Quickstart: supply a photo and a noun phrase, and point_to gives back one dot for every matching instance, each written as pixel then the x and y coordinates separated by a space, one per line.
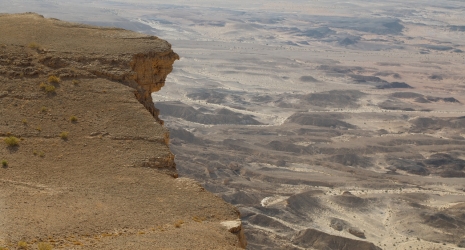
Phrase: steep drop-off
pixel 91 168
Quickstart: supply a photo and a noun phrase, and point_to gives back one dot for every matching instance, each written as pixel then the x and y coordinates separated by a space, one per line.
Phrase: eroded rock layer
pixel 87 169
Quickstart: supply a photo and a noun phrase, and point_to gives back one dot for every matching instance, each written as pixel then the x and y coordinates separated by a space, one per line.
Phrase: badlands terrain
pixel 329 125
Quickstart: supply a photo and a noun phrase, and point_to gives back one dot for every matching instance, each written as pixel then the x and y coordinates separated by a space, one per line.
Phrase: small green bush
pixel 47 87
pixel 73 118
pixel 43 109
pixel 33 45
pixel 64 135
pixel 4 163
pixel 11 141
pixel 50 89
pixel 53 79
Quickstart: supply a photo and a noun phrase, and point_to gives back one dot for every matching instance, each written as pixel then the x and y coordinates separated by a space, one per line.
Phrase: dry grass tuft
pixel 50 89
pixel 198 219
pixel 47 87
pixel 64 135
pixel 4 163
pixel 33 45
pixel 11 141
pixel 53 79
pixel 178 223
pixel 22 245
pixel 44 246
pixel 73 118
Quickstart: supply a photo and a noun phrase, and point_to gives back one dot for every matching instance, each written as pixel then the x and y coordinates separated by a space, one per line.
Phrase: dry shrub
pixel 11 141
pixel 64 135
pixel 178 223
pixel 53 79
pixel 44 246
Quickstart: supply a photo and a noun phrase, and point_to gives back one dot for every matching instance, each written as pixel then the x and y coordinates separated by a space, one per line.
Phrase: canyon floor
pixel 328 124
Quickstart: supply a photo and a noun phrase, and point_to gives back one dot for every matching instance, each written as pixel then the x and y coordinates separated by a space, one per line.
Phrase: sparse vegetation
pixel 39 129
pixel 42 154
pixel 76 82
pixel 53 79
pixel 34 152
pixel 11 141
pixel 22 245
pixel 33 45
pixel 64 135
pixel 24 121
pixel 4 163
pixel 198 219
pixel 44 246
pixel 43 109
pixel 73 118
pixel 178 223
pixel 50 89
pixel 47 87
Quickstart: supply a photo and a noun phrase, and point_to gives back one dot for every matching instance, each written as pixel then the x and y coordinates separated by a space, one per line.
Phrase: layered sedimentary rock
pixel 91 168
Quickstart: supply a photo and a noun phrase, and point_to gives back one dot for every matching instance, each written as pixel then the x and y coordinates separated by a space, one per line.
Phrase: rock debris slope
pixel 91 168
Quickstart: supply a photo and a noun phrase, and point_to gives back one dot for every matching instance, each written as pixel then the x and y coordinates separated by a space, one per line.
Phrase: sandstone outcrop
pixel 92 168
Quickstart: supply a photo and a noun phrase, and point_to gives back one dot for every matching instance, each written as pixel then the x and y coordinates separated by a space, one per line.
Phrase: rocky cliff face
pixel 149 72
pixel 88 167
pixel 143 70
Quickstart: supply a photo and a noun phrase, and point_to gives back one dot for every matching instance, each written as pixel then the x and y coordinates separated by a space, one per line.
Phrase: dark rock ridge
pixel 335 98
pixel 422 98
pixel 320 120
pixel 312 238
pixel 219 116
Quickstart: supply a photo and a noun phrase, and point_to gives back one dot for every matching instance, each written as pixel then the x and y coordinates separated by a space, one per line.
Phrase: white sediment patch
pixel 271 200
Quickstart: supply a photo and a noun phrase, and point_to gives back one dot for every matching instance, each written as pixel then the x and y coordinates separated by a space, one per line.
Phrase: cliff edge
pixel 83 164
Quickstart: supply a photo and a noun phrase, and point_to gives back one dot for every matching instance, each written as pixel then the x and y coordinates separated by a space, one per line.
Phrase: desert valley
pixel 328 124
